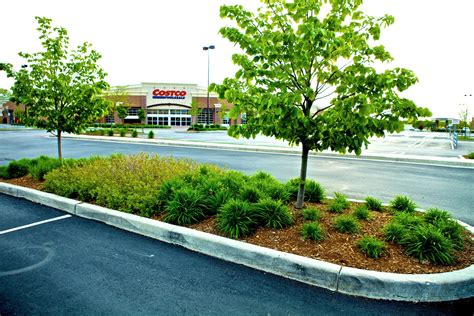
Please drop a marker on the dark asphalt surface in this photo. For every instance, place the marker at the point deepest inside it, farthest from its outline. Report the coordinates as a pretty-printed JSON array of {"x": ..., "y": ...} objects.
[
  {"x": 81, "y": 267},
  {"x": 448, "y": 188}
]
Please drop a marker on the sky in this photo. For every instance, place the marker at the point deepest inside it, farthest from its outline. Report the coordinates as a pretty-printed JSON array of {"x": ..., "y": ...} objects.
[{"x": 161, "y": 41}]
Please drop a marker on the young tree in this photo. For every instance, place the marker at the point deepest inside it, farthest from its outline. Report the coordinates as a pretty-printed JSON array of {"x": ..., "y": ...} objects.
[
  {"x": 464, "y": 116},
  {"x": 142, "y": 117},
  {"x": 307, "y": 75},
  {"x": 118, "y": 99},
  {"x": 60, "y": 88}
]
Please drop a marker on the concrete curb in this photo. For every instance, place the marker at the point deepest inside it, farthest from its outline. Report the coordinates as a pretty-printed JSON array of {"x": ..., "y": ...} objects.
[
  {"x": 377, "y": 285},
  {"x": 281, "y": 150}
]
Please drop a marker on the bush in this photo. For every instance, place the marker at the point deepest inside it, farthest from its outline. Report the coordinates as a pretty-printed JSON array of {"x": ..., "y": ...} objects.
[
  {"x": 361, "y": 212},
  {"x": 341, "y": 199},
  {"x": 101, "y": 132},
  {"x": 426, "y": 242},
  {"x": 151, "y": 134},
  {"x": 346, "y": 224},
  {"x": 312, "y": 231},
  {"x": 233, "y": 181},
  {"x": 434, "y": 215},
  {"x": 453, "y": 231},
  {"x": 18, "y": 168},
  {"x": 250, "y": 193},
  {"x": 402, "y": 204},
  {"x": 470, "y": 156},
  {"x": 311, "y": 214},
  {"x": 42, "y": 166},
  {"x": 313, "y": 190},
  {"x": 185, "y": 208},
  {"x": 134, "y": 133},
  {"x": 215, "y": 202},
  {"x": 122, "y": 132},
  {"x": 236, "y": 219},
  {"x": 273, "y": 214},
  {"x": 277, "y": 191},
  {"x": 135, "y": 189},
  {"x": 374, "y": 204},
  {"x": 3, "y": 172},
  {"x": 167, "y": 190},
  {"x": 394, "y": 232},
  {"x": 335, "y": 207},
  {"x": 110, "y": 132},
  {"x": 408, "y": 220},
  {"x": 371, "y": 246}
]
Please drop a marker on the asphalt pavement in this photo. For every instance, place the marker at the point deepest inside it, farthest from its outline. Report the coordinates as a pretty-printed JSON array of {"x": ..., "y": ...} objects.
[{"x": 75, "y": 266}]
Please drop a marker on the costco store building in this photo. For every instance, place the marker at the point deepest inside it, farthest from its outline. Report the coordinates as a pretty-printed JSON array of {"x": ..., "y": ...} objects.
[{"x": 170, "y": 104}]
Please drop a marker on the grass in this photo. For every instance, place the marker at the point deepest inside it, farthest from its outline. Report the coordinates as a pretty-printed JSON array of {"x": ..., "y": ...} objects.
[{"x": 183, "y": 192}]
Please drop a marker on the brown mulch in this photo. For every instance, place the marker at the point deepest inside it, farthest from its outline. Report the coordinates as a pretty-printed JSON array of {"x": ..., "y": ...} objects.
[{"x": 338, "y": 248}]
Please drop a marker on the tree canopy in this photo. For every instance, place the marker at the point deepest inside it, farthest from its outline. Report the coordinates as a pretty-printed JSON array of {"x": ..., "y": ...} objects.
[
  {"x": 60, "y": 88},
  {"x": 308, "y": 74}
]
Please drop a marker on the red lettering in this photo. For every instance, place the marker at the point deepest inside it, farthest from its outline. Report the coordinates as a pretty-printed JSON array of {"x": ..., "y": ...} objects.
[{"x": 169, "y": 93}]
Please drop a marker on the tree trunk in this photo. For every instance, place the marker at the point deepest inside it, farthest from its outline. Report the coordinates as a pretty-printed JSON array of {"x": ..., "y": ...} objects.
[
  {"x": 304, "y": 168},
  {"x": 60, "y": 149}
]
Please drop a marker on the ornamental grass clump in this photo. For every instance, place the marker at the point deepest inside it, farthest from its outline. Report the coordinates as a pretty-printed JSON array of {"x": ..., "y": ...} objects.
[
  {"x": 311, "y": 214},
  {"x": 372, "y": 247},
  {"x": 236, "y": 219},
  {"x": 341, "y": 199},
  {"x": 346, "y": 224},
  {"x": 394, "y": 232},
  {"x": 362, "y": 213},
  {"x": 373, "y": 204},
  {"x": 314, "y": 192},
  {"x": 18, "y": 168},
  {"x": 250, "y": 193},
  {"x": 312, "y": 231},
  {"x": 273, "y": 214},
  {"x": 434, "y": 215},
  {"x": 426, "y": 242},
  {"x": 39, "y": 167},
  {"x": 151, "y": 135},
  {"x": 402, "y": 204},
  {"x": 185, "y": 208}
]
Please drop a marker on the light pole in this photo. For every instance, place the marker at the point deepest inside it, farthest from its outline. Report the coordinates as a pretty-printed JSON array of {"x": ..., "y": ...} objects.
[{"x": 208, "y": 48}]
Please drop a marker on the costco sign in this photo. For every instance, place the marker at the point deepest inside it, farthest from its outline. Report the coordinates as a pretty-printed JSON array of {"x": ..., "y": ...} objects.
[{"x": 169, "y": 94}]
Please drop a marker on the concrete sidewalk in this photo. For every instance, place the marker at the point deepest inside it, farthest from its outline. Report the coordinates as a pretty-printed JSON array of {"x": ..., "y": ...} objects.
[{"x": 283, "y": 148}]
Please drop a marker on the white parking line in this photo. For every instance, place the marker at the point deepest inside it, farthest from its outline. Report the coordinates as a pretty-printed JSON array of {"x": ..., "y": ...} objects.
[{"x": 34, "y": 224}]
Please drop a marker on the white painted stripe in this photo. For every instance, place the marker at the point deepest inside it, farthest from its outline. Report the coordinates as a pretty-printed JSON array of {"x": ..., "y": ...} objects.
[{"x": 34, "y": 224}]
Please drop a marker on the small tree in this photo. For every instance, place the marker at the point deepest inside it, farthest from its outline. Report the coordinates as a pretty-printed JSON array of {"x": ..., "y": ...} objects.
[
  {"x": 307, "y": 76},
  {"x": 464, "y": 116},
  {"x": 61, "y": 89},
  {"x": 142, "y": 117},
  {"x": 118, "y": 99},
  {"x": 122, "y": 111}
]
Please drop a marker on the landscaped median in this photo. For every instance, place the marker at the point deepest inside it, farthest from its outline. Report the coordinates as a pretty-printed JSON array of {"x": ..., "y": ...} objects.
[{"x": 404, "y": 287}]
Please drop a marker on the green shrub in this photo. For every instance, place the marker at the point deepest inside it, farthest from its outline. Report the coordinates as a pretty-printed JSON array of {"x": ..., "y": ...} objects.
[
  {"x": 335, "y": 207},
  {"x": 394, "y": 232},
  {"x": 167, "y": 190},
  {"x": 402, "y": 204},
  {"x": 122, "y": 132},
  {"x": 251, "y": 194},
  {"x": 453, "y": 231},
  {"x": 134, "y": 133},
  {"x": 408, "y": 220},
  {"x": 135, "y": 189},
  {"x": 346, "y": 224},
  {"x": 434, "y": 215},
  {"x": 3, "y": 172},
  {"x": 312, "y": 231},
  {"x": 110, "y": 132},
  {"x": 373, "y": 204},
  {"x": 372, "y": 246},
  {"x": 215, "y": 202},
  {"x": 273, "y": 214},
  {"x": 185, "y": 208},
  {"x": 426, "y": 242},
  {"x": 18, "y": 168},
  {"x": 42, "y": 166},
  {"x": 311, "y": 214},
  {"x": 361, "y": 212},
  {"x": 101, "y": 132},
  {"x": 470, "y": 156},
  {"x": 314, "y": 192},
  {"x": 233, "y": 181},
  {"x": 151, "y": 134},
  {"x": 341, "y": 199},
  {"x": 262, "y": 176},
  {"x": 236, "y": 219},
  {"x": 277, "y": 191}
]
